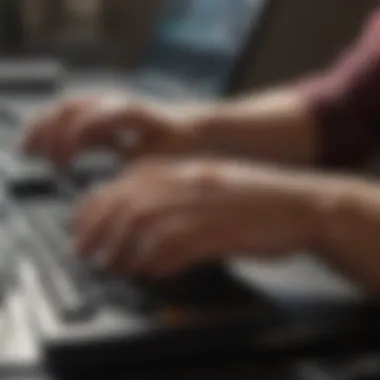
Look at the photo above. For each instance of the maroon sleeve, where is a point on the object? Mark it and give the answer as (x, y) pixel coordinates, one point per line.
(345, 101)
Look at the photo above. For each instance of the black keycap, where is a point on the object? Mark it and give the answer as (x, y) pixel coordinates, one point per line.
(32, 187)
(28, 178)
(122, 294)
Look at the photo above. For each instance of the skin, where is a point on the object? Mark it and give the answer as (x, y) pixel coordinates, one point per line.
(187, 198)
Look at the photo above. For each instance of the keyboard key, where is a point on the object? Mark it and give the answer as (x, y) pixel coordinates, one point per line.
(62, 215)
(86, 281)
(64, 295)
(70, 301)
(33, 177)
(122, 294)
(32, 187)
(18, 166)
(64, 279)
(99, 273)
(93, 169)
(28, 178)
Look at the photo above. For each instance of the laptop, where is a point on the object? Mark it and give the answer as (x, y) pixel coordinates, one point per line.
(184, 61)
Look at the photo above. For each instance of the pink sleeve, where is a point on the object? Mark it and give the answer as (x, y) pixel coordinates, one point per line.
(345, 101)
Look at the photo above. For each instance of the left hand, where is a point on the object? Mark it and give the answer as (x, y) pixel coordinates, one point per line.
(161, 217)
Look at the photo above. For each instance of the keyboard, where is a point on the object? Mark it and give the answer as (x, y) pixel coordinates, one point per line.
(85, 314)
(87, 318)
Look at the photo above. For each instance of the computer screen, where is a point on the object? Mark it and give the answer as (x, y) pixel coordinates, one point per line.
(199, 40)
(195, 42)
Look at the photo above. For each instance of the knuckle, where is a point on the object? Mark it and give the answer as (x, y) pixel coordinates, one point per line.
(65, 108)
(140, 217)
(202, 176)
(58, 111)
(170, 239)
(159, 244)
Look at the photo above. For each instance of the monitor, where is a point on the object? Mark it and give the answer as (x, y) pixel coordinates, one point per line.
(201, 39)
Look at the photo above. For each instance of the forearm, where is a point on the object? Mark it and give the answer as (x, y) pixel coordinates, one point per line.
(346, 212)
(330, 118)
(335, 217)
(274, 126)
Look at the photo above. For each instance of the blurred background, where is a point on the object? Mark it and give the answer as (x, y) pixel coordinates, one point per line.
(194, 39)
(209, 47)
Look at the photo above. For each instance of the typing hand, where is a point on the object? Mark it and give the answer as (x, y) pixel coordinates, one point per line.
(131, 128)
(161, 217)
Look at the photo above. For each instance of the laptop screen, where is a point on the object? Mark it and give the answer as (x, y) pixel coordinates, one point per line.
(199, 40)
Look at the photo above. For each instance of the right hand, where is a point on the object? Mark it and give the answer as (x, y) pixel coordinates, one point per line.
(160, 217)
(75, 126)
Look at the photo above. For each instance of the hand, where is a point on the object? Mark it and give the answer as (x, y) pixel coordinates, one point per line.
(128, 127)
(161, 217)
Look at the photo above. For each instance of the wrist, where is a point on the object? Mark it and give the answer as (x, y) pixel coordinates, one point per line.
(329, 206)
(339, 203)
(304, 204)
(301, 200)
(274, 126)
(207, 125)
(288, 202)
(348, 215)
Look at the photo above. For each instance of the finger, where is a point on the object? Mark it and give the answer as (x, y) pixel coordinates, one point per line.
(98, 195)
(181, 263)
(63, 123)
(33, 142)
(161, 244)
(93, 223)
(129, 144)
(179, 245)
(126, 239)
(42, 134)
(123, 128)
(118, 245)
